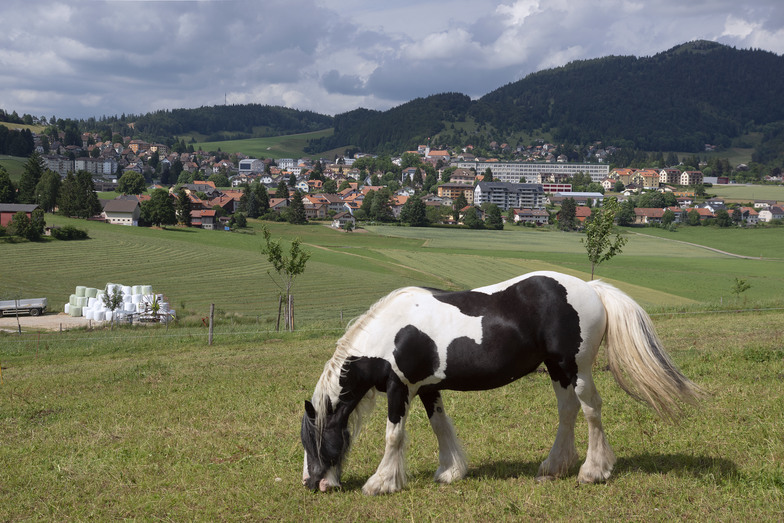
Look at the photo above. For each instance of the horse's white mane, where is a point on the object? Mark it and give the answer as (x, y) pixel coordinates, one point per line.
(327, 390)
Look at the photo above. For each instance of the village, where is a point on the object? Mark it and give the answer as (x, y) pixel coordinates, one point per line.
(528, 190)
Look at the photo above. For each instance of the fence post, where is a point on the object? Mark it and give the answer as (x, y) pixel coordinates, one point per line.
(212, 314)
(291, 313)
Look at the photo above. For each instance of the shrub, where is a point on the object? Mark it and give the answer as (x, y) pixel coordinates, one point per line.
(69, 232)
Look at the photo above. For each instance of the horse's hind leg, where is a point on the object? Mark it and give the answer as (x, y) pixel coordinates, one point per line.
(452, 464)
(563, 455)
(600, 458)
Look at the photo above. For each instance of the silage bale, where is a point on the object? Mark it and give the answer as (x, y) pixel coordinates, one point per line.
(90, 292)
(80, 290)
(75, 312)
(67, 308)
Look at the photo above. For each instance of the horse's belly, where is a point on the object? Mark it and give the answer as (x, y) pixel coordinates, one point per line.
(486, 373)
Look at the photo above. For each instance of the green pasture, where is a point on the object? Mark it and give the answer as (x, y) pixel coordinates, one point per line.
(748, 193)
(347, 272)
(14, 165)
(154, 424)
(289, 146)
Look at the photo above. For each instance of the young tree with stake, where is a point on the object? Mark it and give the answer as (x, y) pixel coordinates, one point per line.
(287, 268)
(598, 239)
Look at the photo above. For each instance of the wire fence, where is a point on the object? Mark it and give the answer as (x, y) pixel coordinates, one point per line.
(18, 343)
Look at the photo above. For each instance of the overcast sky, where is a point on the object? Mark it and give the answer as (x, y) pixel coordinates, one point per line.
(82, 58)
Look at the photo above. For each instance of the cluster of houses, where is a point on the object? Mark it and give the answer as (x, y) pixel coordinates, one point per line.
(523, 188)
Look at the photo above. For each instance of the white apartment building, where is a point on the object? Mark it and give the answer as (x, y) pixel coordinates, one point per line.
(510, 195)
(529, 172)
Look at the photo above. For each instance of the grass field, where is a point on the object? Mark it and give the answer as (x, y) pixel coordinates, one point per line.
(156, 425)
(748, 193)
(14, 165)
(290, 146)
(349, 271)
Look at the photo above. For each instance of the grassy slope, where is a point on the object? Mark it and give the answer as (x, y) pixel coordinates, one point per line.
(14, 165)
(290, 146)
(157, 425)
(748, 193)
(348, 272)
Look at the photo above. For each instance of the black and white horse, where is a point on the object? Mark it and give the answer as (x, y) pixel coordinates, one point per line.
(417, 342)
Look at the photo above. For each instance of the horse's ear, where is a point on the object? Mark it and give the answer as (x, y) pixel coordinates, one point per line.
(310, 411)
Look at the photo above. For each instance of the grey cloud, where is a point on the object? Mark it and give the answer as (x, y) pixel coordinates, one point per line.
(334, 82)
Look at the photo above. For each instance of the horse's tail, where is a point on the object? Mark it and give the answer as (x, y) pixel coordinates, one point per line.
(637, 359)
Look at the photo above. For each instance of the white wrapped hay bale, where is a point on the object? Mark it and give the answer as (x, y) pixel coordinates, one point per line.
(127, 291)
(108, 315)
(67, 308)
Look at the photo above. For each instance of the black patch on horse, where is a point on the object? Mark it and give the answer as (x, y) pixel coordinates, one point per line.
(523, 325)
(415, 353)
(363, 373)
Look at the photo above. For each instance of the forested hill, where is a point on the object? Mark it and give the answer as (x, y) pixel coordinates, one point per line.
(231, 122)
(678, 100)
(696, 93)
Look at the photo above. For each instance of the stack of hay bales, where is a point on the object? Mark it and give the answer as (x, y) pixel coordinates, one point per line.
(88, 301)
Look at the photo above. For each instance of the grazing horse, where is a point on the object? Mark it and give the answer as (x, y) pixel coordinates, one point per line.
(418, 342)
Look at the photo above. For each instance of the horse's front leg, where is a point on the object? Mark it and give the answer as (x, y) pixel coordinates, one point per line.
(452, 464)
(391, 473)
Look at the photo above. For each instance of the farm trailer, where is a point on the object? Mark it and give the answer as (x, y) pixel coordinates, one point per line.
(33, 307)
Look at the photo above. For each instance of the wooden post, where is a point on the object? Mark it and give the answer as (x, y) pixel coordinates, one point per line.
(280, 306)
(291, 313)
(212, 315)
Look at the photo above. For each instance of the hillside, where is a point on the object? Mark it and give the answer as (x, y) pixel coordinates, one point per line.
(678, 100)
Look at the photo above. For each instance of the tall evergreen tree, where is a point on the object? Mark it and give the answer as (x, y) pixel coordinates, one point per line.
(69, 195)
(87, 201)
(7, 188)
(283, 190)
(262, 197)
(460, 203)
(33, 170)
(568, 215)
(183, 208)
(297, 210)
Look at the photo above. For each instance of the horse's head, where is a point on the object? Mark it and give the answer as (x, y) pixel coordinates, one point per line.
(324, 448)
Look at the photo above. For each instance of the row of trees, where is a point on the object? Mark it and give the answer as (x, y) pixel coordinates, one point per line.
(74, 196)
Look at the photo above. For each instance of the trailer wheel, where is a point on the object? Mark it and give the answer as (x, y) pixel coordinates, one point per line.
(35, 312)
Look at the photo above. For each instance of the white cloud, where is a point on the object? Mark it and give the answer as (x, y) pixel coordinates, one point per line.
(90, 58)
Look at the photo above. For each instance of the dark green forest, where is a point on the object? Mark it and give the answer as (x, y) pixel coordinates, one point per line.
(679, 100)
(231, 122)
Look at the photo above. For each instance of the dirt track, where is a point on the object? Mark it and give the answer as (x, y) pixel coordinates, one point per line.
(51, 322)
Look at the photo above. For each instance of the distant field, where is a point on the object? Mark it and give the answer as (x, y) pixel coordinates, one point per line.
(349, 271)
(14, 165)
(290, 146)
(748, 193)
